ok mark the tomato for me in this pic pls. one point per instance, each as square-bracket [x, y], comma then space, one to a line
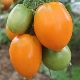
[10, 34]
[26, 54]
[56, 60]
[19, 19]
[6, 4]
[53, 25]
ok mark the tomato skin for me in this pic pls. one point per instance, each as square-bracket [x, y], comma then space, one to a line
[19, 19]
[53, 25]
[6, 4]
[26, 54]
[10, 34]
[56, 60]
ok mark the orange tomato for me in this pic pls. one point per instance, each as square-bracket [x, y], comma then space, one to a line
[26, 54]
[6, 4]
[53, 25]
[10, 34]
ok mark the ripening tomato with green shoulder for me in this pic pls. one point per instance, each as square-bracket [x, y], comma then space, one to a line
[19, 19]
[56, 60]
[26, 54]
[53, 25]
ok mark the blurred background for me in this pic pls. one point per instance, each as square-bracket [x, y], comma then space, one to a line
[72, 72]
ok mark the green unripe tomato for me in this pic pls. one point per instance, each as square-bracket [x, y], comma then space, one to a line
[56, 60]
[19, 19]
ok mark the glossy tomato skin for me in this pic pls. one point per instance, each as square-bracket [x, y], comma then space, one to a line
[53, 25]
[19, 19]
[26, 54]
[56, 60]
[10, 34]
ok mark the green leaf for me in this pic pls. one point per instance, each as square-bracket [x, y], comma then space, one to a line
[68, 7]
[33, 4]
[3, 36]
[75, 72]
[60, 75]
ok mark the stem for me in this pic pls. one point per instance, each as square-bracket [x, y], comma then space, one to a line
[27, 79]
[49, 72]
[27, 3]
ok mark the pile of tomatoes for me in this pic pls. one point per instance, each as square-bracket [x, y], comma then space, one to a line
[52, 26]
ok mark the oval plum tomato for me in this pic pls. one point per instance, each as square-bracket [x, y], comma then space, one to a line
[19, 19]
[53, 25]
[10, 34]
[56, 60]
[26, 54]
[6, 4]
